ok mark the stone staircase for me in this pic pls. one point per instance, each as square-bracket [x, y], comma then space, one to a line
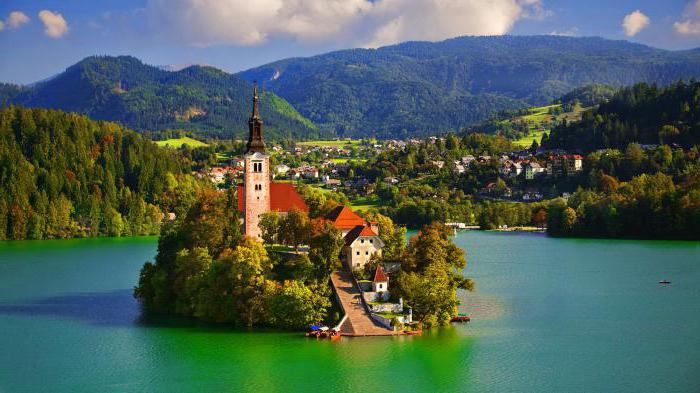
[359, 322]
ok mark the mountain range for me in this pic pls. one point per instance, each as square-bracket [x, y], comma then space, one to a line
[409, 89]
[202, 99]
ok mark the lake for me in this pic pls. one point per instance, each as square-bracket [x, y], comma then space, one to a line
[549, 315]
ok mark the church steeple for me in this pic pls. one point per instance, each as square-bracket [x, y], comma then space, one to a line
[255, 126]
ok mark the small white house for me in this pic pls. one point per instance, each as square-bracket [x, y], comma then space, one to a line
[380, 282]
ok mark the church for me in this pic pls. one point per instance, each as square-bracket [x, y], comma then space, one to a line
[258, 195]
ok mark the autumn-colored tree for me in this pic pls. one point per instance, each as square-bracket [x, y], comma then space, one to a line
[539, 218]
[568, 220]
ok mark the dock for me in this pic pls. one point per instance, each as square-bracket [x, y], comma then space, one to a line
[357, 321]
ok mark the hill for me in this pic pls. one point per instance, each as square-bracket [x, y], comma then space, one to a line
[202, 99]
[419, 88]
[63, 175]
[639, 114]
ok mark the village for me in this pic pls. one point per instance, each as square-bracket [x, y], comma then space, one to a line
[524, 173]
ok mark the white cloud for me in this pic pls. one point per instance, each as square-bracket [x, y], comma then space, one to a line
[401, 20]
[690, 25]
[634, 22]
[55, 26]
[16, 19]
[369, 22]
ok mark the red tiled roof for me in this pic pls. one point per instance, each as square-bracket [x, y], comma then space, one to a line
[379, 275]
[367, 231]
[283, 196]
[358, 231]
[344, 218]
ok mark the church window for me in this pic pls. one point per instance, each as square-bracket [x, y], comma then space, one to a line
[358, 253]
[362, 240]
[366, 252]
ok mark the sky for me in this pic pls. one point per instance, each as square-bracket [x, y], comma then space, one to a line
[40, 38]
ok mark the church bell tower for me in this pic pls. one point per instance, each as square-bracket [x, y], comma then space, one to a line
[257, 174]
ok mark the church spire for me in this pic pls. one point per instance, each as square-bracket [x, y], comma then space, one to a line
[256, 113]
[255, 126]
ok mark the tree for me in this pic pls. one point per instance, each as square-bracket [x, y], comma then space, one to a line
[393, 236]
[539, 218]
[433, 247]
[325, 244]
[236, 286]
[294, 228]
[296, 306]
[430, 275]
[431, 295]
[534, 146]
[568, 220]
[269, 226]
[668, 134]
[191, 269]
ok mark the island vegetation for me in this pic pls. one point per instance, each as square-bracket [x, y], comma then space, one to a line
[206, 269]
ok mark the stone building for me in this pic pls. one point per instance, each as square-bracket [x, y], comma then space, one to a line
[361, 237]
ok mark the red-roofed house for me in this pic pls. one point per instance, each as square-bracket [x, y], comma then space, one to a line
[361, 237]
[258, 195]
[380, 282]
[345, 219]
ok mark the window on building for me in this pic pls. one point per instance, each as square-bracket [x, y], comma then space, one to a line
[257, 167]
[366, 252]
[362, 240]
[358, 253]
[371, 241]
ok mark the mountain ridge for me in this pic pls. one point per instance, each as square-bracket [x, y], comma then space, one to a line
[455, 75]
[203, 99]
[415, 88]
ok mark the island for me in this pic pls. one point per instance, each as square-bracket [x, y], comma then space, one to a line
[255, 255]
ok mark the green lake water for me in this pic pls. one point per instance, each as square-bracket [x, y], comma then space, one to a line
[549, 315]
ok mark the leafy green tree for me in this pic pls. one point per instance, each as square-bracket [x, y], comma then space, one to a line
[393, 236]
[294, 228]
[325, 243]
[191, 269]
[269, 226]
[431, 275]
[296, 306]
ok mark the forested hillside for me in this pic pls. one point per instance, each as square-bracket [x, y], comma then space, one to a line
[64, 175]
[642, 114]
[419, 88]
[205, 100]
